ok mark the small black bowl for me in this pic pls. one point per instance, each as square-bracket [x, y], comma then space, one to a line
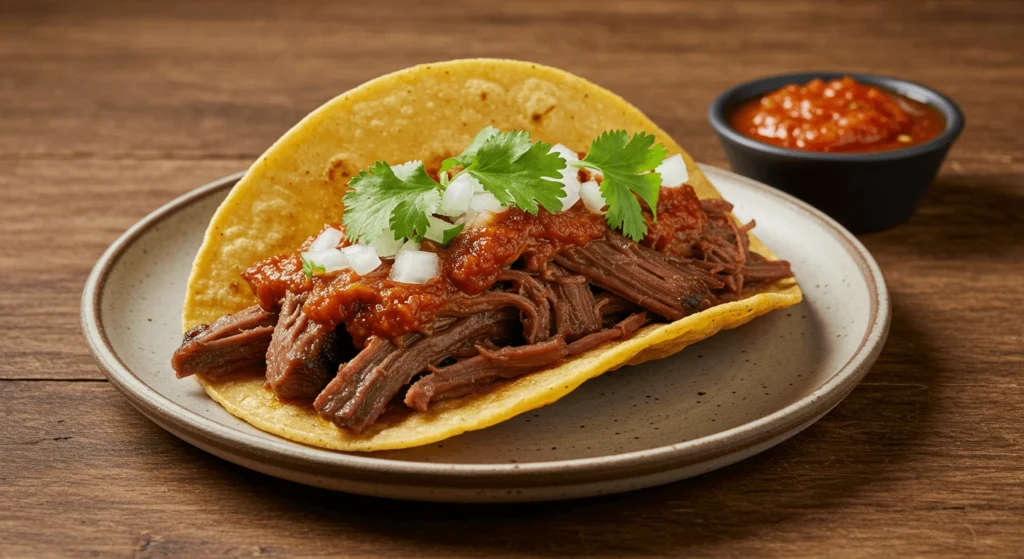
[865, 192]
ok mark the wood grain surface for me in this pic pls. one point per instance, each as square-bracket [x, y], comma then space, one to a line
[109, 109]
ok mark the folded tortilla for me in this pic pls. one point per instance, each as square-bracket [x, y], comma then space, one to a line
[427, 112]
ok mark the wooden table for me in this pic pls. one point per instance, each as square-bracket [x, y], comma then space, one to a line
[109, 109]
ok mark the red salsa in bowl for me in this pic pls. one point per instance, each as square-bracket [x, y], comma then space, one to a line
[837, 116]
[860, 147]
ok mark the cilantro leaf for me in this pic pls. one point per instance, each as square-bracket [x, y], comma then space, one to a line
[621, 160]
[513, 169]
[309, 267]
[467, 155]
[450, 233]
[380, 199]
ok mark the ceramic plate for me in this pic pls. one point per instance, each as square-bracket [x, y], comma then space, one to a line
[713, 404]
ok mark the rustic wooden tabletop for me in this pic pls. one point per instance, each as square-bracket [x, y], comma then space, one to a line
[109, 109]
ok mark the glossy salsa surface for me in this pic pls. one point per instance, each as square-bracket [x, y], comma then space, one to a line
[838, 116]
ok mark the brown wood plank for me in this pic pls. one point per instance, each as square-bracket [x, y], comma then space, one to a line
[900, 468]
[208, 80]
[56, 218]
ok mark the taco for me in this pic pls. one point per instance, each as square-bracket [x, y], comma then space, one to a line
[451, 245]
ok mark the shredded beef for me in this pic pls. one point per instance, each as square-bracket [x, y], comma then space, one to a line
[667, 287]
[532, 315]
[536, 327]
[469, 375]
[725, 250]
[473, 374]
[373, 390]
[353, 375]
[611, 304]
[576, 310]
[234, 344]
[623, 329]
[302, 353]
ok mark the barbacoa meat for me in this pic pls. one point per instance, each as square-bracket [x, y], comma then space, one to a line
[474, 374]
[234, 344]
[302, 353]
[576, 310]
[665, 286]
[374, 385]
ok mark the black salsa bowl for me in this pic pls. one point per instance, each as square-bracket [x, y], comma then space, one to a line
[866, 192]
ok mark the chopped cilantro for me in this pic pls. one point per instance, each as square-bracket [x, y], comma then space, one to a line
[467, 155]
[380, 199]
[514, 170]
[627, 165]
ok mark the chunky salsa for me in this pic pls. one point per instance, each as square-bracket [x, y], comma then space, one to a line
[838, 116]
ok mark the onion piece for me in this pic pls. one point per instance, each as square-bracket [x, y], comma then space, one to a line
[362, 258]
[572, 192]
[567, 154]
[386, 244]
[332, 259]
[329, 238]
[486, 202]
[673, 171]
[415, 266]
[410, 245]
[570, 180]
[480, 219]
[590, 192]
[437, 228]
[458, 194]
[405, 170]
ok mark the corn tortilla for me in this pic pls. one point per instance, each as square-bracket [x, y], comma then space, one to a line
[426, 112]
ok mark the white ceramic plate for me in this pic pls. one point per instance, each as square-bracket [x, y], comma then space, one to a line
[713, 404]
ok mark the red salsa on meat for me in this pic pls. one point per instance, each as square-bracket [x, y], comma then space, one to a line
[838, 116]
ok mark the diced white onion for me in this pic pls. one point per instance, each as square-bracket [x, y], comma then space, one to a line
[590, 192]
[479, 219]
[673, 171]
[486, 202]
[437, 228]
[328, 239]
[571, 185]
[572, 195]
[570, 180]
[458, 194]
[386, 244]
[362, 258]
[415, 266]
[405, 170]
[331, 259]
[410, 245]
[567, 154]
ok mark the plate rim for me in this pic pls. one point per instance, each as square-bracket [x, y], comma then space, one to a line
[283, 453]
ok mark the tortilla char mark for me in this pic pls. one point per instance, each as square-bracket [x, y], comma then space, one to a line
[517, 293]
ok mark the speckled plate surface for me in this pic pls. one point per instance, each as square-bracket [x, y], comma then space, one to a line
[711, 405]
